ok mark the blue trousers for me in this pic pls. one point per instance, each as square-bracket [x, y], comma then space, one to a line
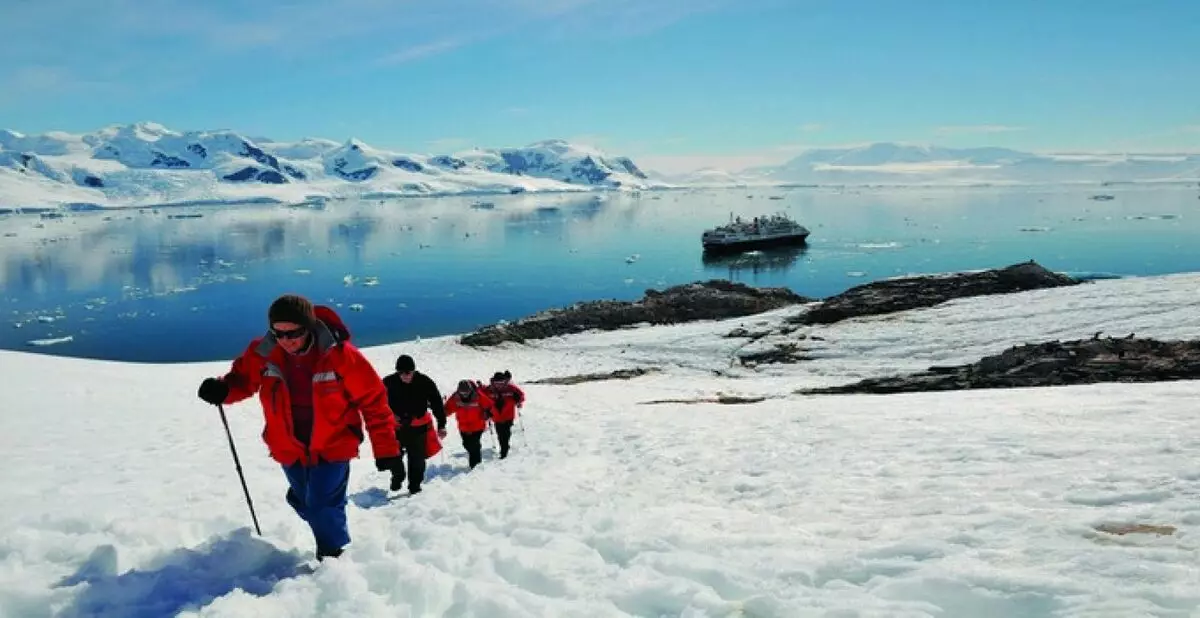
[318, 494]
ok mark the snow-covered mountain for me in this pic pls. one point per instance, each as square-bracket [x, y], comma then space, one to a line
[911, 164]
[146, 163]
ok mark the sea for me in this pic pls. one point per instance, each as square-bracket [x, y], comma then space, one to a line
[186, 284]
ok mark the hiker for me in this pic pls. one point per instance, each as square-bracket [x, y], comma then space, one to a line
[317, 391]
[471, 409]
[412, 395]
[507, 397]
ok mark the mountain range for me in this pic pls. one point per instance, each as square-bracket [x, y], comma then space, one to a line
[905, 164]
[148, 164]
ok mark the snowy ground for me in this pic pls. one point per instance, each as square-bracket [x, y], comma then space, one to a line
[122, 499]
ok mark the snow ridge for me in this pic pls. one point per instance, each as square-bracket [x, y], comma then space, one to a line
[146, 163]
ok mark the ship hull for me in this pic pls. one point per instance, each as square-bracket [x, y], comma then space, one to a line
[746, 244]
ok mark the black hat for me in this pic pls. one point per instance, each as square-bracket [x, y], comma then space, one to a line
[405, 363]
[465, 386]
[501, 376]
[292, 308]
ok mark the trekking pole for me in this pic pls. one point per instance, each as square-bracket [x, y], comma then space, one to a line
[492, 433]
[238, 464]
[521, 424]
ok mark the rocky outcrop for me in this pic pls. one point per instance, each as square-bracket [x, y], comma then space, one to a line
[721, 398]
[709, 300]
[893, 295]
[619, 374]
[1054, 363]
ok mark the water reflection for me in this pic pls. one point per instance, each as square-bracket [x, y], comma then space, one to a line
[89, 251]
[776, 259]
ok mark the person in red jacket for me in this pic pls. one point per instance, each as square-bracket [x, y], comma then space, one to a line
[317, 391]
[471, 409]
[507, 397]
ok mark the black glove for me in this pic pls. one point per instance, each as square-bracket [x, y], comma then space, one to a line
[213, 391]
[384, 464]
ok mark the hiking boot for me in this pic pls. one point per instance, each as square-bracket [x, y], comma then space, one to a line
[397, 482]
[324, 552]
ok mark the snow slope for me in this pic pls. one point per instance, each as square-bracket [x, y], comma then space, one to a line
[149, 164]
[122, 497]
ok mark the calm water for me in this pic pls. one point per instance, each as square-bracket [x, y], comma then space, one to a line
[152, 286]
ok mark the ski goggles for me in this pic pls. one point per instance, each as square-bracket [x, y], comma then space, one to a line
[295, 333]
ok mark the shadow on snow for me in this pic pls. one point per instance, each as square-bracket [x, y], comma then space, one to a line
[375, 497]
[180, 580]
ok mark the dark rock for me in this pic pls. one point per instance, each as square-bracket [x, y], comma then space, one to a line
[256, 153]
[1085, 361]
[407, 165]
[720, 398]
[894, 295]
[627, 163]
[589, 171]
[619, 374]
[242, 175]
[453, 163]
[272, 177]
[166, 160]
[294, 173]
[92, 181]
[786, 352]
[339, 167]
[198, 150]
[709, 300]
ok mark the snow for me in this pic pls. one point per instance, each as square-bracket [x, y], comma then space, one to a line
[147, 164]
[121, 494]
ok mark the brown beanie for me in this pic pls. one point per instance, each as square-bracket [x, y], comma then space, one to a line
[292, 308]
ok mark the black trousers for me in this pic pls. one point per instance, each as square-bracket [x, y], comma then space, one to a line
[412, 444]
[504, 434]
[470, 442]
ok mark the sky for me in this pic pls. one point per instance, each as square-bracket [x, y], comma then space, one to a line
[675, 84]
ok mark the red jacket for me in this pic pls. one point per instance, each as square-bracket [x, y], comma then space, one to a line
[346, 393]
[471, 415]
[506, 399]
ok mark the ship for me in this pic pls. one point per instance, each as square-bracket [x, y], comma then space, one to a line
[765, 231]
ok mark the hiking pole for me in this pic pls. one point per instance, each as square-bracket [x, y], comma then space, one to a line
[238, 464]
[492, 433]
[521, 424]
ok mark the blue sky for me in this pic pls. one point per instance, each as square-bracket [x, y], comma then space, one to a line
[674, 83]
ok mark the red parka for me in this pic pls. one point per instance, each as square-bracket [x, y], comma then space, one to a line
[472, 414]
[347, 392]
[506, 397]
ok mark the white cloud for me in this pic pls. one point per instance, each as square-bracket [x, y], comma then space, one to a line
[416, 52]
[972, 129]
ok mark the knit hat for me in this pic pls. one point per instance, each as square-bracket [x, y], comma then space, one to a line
[405, 363]
[292, 308]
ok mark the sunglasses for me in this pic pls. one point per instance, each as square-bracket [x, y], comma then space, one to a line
[295, 333]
